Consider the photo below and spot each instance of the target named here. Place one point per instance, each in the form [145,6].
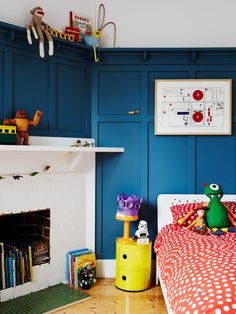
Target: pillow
[180,210]
[231,206]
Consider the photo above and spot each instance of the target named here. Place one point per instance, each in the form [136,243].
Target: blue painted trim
[8,101]
[20,31]
[51,96]
[191,164]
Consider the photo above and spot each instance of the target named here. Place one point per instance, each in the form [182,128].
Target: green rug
[43,301]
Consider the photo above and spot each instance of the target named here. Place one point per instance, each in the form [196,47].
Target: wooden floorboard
[106,298]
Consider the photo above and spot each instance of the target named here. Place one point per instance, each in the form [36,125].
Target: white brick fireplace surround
[67,189]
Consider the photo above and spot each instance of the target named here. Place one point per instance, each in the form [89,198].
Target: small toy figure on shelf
[142,233]
[7,134]
[38,28]
[22,124]
[128,211]
[93,39]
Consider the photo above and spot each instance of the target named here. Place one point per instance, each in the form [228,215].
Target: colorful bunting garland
[19,177]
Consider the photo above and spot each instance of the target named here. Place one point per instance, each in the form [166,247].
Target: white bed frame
[164,217]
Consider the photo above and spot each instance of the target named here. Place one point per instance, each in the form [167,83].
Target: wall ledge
[21,159]
[17,35]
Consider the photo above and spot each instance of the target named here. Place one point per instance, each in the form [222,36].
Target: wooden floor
[106,298]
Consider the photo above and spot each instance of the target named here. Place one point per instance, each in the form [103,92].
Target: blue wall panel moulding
[1,86]
[81,98]
[58,85]
[173,164]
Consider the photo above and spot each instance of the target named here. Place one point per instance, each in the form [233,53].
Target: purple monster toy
[128,206]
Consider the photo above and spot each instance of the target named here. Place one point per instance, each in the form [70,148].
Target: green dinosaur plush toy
[216,214]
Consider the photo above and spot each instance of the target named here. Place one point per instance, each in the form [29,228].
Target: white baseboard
[106,268]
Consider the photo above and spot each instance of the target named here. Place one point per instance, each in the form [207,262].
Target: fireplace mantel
[68,189]
[61,157]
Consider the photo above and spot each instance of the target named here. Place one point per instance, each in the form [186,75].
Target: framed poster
[193,107]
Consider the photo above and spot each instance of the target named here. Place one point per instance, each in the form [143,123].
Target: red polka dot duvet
[198,271]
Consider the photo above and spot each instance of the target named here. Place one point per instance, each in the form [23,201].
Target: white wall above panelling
[141,23]
[56,12]
[173,23]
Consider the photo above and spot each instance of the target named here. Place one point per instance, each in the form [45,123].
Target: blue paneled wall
[153,164]
[58,85]
[81,99]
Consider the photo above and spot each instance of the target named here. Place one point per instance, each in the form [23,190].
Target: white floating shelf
[61,157]
[63,149]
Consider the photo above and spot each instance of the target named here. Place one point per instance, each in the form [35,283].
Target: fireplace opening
[24,242]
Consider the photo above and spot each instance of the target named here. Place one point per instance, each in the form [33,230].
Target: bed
[197,273]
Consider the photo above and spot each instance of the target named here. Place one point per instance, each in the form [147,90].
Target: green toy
[216,214]
[218,217]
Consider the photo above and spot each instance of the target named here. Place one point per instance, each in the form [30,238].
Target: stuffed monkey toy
[38,28]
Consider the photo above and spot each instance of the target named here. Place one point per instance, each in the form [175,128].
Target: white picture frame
[193,107]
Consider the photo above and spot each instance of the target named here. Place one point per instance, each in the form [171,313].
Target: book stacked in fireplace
[15,265]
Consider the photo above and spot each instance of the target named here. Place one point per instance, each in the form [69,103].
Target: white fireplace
[69,194]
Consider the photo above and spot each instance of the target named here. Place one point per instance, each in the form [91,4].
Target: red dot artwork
[197,116]
[197,95]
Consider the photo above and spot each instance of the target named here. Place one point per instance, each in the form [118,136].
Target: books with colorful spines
[26,274]
[86,270]
[30,264]
[11,252]
[10,270]
[13,269]
[23,269]
[16,256]
[20,267]
[17,267]
[6,272]
[2,263]
[70,259]
[0,268]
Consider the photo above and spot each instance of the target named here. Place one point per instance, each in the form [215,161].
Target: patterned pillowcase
[180,210]
[231,206]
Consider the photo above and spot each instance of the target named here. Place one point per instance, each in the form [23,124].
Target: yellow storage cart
[133,259]
[133,265]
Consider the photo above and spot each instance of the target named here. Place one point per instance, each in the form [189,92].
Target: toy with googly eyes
[218,215]
[128,207]
[93,39]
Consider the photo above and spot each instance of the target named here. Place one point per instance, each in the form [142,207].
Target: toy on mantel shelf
[128,211]
[218,218]
[22,124]
[38,28]
[7,135]
[94,39]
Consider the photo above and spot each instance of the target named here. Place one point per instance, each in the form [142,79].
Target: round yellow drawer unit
[133,265]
